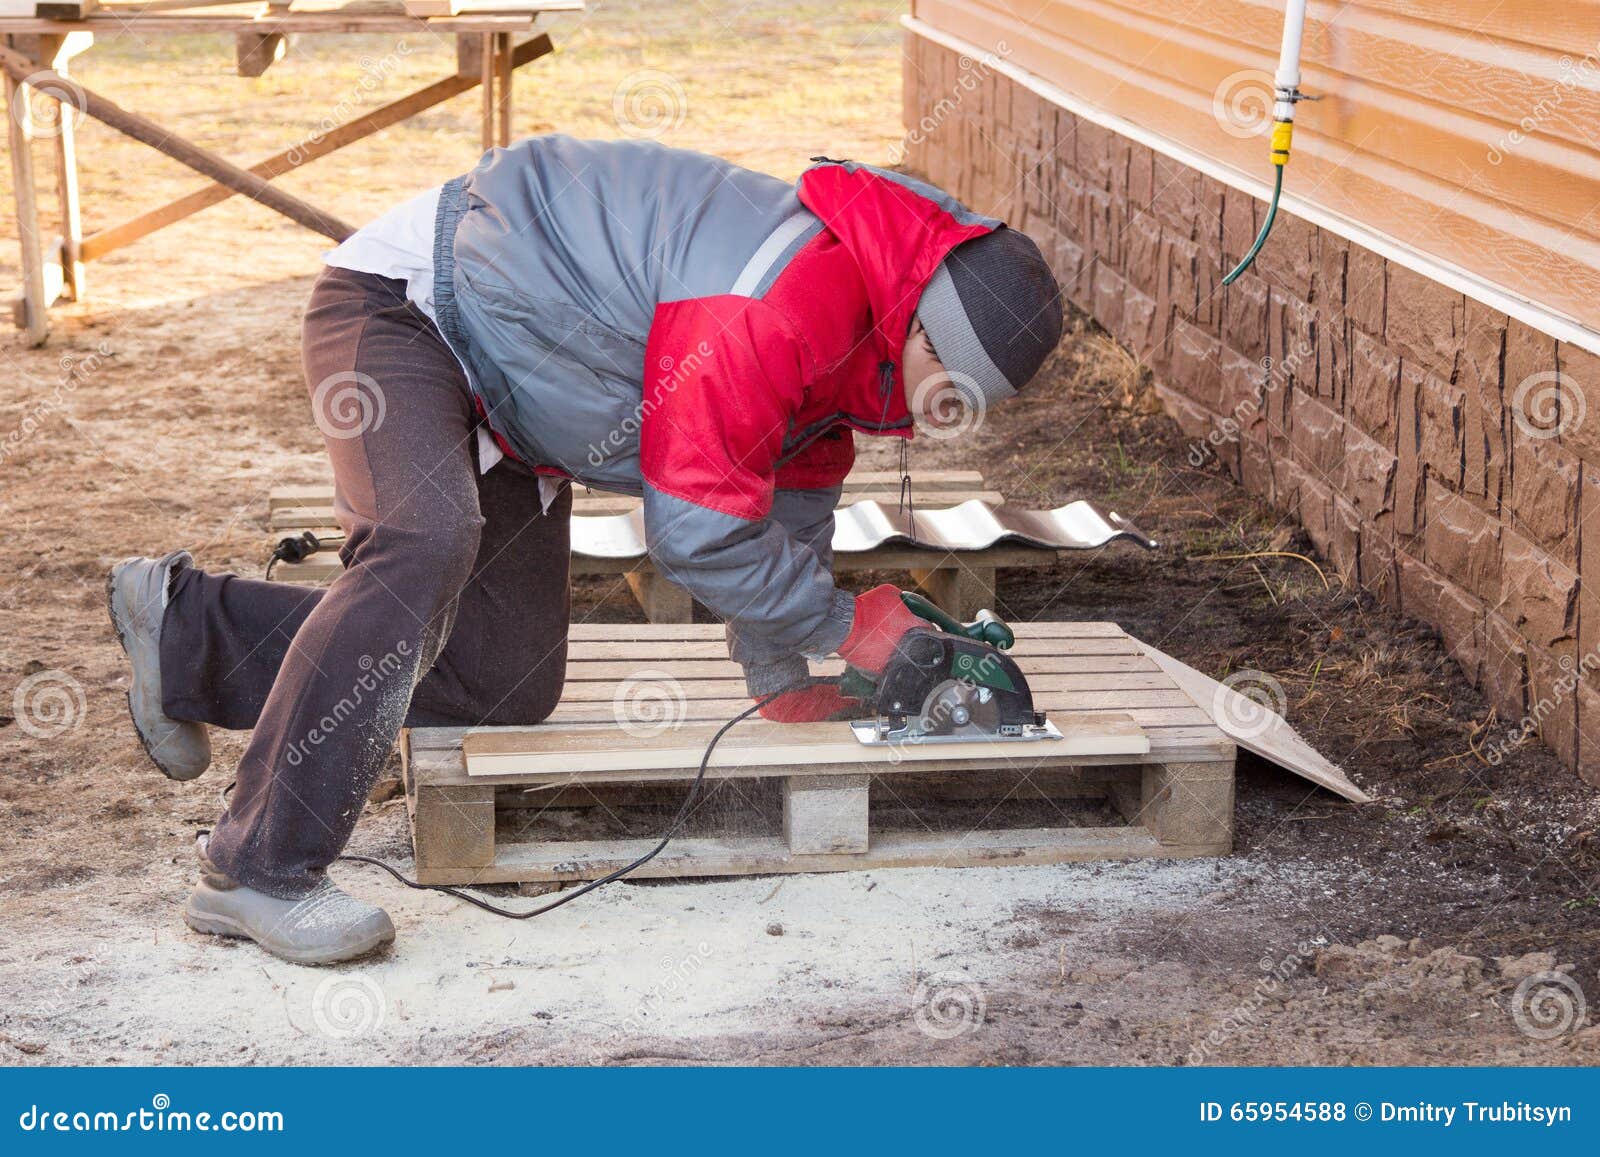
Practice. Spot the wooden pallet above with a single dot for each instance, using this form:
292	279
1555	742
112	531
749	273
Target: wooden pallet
827	809
962	582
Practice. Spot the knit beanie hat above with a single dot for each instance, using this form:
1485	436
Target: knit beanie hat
993	314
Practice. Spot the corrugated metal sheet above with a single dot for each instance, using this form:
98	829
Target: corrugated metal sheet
1469	129
868	525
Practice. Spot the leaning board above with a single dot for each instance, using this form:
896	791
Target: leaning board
665	687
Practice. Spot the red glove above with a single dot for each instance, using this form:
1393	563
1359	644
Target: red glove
881	622
812	704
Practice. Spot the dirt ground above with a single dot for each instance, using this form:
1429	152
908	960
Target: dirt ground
1433	926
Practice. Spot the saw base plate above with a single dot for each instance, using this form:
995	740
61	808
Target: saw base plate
869	733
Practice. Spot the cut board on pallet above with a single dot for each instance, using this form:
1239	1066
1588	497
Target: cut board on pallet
1164	766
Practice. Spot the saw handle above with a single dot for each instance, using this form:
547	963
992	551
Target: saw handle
986	628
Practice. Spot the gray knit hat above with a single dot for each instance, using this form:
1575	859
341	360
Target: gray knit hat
993	314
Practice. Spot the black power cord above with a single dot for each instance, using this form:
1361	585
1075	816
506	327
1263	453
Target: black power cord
567	897
678	820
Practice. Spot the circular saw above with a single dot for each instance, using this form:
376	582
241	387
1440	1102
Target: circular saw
949	683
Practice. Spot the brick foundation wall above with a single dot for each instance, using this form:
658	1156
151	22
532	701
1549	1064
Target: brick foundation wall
1436	451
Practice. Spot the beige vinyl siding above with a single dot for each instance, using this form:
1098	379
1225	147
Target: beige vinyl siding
1467	129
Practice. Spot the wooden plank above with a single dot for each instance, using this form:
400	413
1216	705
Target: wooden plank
438	749
707	711
58	51
1189	804
649	650
888	557
707	693
113	24
1113	669
301	518
64	9
585	860
316	494
452	826
502	82
35	320
433	764
1087	684
546	751
429	8
1267	733
322	567
855	483
1388	150
589	632
858	480
486	83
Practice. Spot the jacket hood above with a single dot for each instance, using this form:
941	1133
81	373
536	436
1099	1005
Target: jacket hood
897	229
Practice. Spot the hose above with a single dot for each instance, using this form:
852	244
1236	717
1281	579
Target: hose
1266	227
1286	87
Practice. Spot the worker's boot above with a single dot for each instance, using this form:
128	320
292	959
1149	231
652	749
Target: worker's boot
325	927
136	597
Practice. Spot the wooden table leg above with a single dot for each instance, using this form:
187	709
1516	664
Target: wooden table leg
67	189
34	319
960	590
503	66
486	79
661	601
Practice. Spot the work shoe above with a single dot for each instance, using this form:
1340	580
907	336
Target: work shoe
325	927
136	598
